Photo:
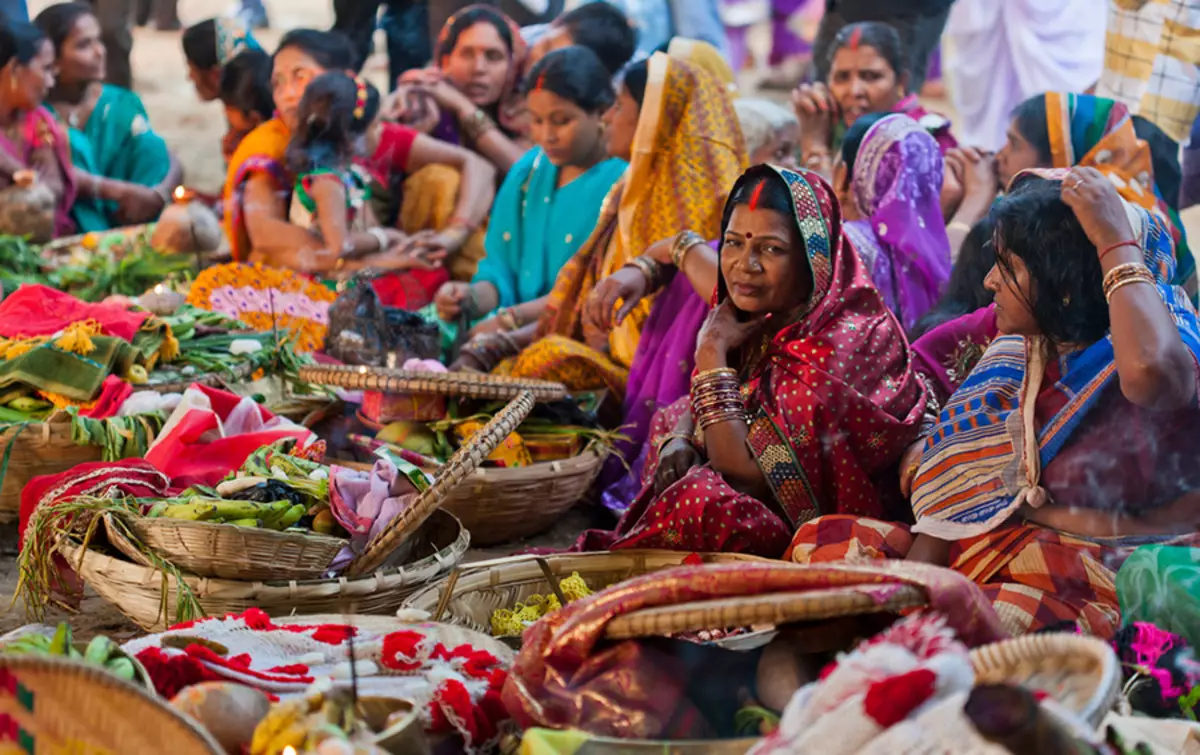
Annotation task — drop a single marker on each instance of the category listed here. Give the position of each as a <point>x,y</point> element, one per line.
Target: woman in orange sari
<point>675,124</point>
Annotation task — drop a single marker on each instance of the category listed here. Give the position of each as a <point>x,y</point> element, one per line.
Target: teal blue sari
<point>116,142</point>
<point>536,226</point>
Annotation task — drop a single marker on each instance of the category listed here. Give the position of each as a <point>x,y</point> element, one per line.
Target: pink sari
<point>41,131</point>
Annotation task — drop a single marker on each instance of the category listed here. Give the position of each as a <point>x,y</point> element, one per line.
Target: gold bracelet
<point>685,437</point>
<point>1108,295</point>
<point>708,374</point>
<point>476,125</point>
<point>708,420</point>
<point>649,268</point>
<point>684,243</point>
<point>508,319</point>
<point>1124,273</point>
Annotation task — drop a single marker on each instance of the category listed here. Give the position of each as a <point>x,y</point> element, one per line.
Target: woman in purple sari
<point>889,185</point>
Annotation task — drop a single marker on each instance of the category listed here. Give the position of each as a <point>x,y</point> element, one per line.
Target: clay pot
<point>186,228</point>
<point>27,208</point>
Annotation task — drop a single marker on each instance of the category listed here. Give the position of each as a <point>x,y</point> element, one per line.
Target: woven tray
<point>1080,673</point>
<point>455,384</point>
<point>138,591</point>
<point>470,595</point>
<point>71,706</point>
<point>228,551</point>
<point>39,448</point>
<point>499,505</point>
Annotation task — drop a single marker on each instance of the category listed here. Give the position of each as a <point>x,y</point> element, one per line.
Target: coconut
<point>187,228</point>
<point>27,208</point>
<point>229,711</point>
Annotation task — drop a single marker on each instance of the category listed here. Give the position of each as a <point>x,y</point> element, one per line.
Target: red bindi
<point>756,195</point>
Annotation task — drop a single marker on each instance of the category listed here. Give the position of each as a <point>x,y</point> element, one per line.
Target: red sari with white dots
<point>833,404</point>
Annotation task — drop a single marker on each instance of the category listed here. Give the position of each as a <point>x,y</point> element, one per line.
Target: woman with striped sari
<point>1024,486</point>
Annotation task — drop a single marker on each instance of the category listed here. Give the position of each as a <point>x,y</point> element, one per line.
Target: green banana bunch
<point>273,515</point>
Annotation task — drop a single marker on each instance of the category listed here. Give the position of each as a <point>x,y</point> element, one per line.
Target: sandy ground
<point>194,129</point>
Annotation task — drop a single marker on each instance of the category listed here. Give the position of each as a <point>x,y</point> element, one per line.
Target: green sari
<point>116,142</point>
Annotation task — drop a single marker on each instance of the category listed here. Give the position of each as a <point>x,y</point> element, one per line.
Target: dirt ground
<point>193,130</point>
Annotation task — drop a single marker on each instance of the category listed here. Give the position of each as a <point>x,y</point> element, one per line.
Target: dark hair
<point>575,74</point>
<point>635,80</point>
<point>246,83</point>
<point>774,194</point>
<point>58,21</point>
<point>200,44</point>
<point>326,126</point>
<point>331,50</point>
<point>854,136</point>
<point>882,37</point>
<point>605,30</point>
<point>1033,223</point>
<point>1030,119</point>
<point>19,42</point>
<point>1164,156</point>
<point>964,292</point>
<point>460,22</point>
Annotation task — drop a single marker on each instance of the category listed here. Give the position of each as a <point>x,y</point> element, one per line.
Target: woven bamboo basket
<point>457,384</point>
<point>138,591</point>
<point>1080,673</point>
<point>498,505</point>
<point>468,596</point>
<point>419,548</point>
<point>39,448</point>
<point>65,705</point>
<point>228,551</point>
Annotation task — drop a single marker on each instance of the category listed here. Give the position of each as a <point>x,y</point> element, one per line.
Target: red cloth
<point>132,477</point>
<point>188,458</point>
<point>391,155</point>
<point>36,310</point>
<point>113,392</point>
<point>410,289</point>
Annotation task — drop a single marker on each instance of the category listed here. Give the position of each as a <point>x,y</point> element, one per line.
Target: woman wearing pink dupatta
<point>32,146</point>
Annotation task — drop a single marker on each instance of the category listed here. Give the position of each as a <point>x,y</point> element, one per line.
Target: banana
<point>246,522</point>
<point>32,644</point>
<point>61,643</point>
<point>121,667</point>
<point>99,650</point>
<point>194,511</point>
<point>28,404</point>
<point>291,516</point>
<point>227,510</point>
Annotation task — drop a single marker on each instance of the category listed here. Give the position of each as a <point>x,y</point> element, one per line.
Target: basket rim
<point>451,384</point>
<point>167,523</point>
<point>73,548</point>
<point>67,667</point>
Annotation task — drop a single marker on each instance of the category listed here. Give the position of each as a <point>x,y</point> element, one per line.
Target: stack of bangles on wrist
<point>476,125</point>
<point>717,397</point>
<point>683,244</point>
<point>1123,275</point>
<point>650,268</point>
<point>491,349</point>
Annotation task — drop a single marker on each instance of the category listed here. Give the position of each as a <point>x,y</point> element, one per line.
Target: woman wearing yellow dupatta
<point>675,123</point>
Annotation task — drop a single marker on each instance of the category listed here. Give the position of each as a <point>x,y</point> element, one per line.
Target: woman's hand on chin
<point>721,332</point>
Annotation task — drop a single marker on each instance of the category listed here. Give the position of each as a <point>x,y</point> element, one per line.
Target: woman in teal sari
<point>549,201</point>
<point>123,169</point>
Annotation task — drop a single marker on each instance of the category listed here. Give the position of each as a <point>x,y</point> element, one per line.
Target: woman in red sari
<point>804,395</point>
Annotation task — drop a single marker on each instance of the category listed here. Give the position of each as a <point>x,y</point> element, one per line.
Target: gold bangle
<point>649,268</point>
<point>507,318</point>
<point>670,437</point>
<point>1108,295</point>
<point>728,371</point>
<point>1124,273</point>
<point>683,244</point>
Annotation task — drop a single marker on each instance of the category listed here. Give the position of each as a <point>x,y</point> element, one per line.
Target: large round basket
<point>498,505</point>
<point>68,706</point>
<point>469,596</point>
<point>137,591</point>
<point>38,448</point>
<point>419,548</point>
<point>227,551</point>
<point>1080,673</point>
<point>458,384</point>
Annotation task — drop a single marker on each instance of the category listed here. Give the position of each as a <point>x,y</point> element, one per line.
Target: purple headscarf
<point>897,184</point>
